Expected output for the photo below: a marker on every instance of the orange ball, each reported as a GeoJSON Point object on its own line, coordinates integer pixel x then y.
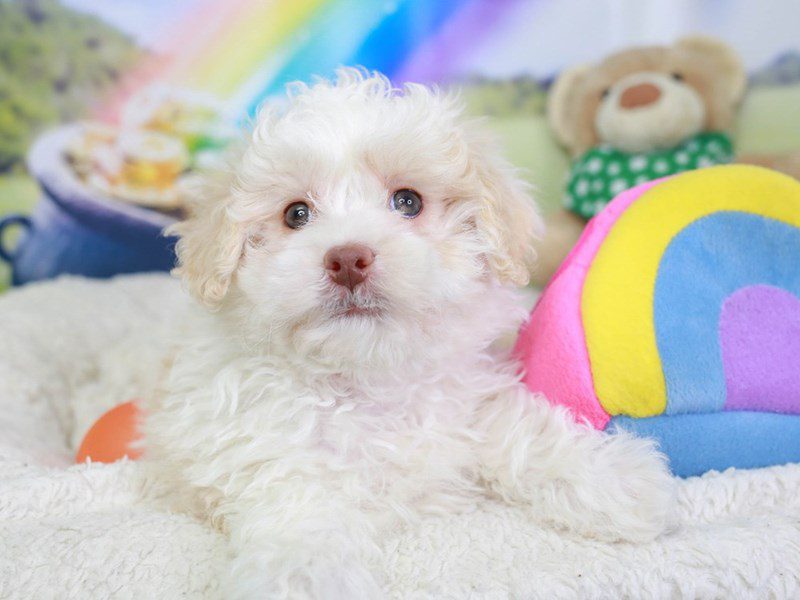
{"type": "Point", "coordinates": [111, 436]}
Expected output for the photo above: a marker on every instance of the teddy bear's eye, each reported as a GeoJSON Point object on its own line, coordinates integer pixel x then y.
{"type": "Point", "coordinates": [604, 94]}
{"type": "Point", "coordinates": [677, 76]}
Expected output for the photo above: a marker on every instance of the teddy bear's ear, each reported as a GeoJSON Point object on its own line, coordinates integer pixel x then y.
{"type": "Point", "coordinates": [563, 102]}
{"type": "Point", "coordinates": [729, 74]}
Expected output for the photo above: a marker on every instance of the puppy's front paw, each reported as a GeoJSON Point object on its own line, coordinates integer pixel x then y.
{"type": "Point", "coordinates": [634, 495]}
{"type": "Point", "coordinates": [622, 492]}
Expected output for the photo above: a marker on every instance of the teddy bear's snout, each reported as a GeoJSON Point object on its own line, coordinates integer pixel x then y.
{"type": "Point", "coordinates": [639, 95]}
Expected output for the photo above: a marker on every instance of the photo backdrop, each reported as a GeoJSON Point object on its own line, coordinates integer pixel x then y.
{"type": "Point", "coordinates": [196, 70]}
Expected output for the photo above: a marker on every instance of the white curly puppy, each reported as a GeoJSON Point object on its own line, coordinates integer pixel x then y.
{"type": "Point", "coordinates": [359, 266]}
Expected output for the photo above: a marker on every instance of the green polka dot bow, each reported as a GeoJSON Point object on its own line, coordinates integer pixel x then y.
{"type": "Point", "coordinates": [603, 172]}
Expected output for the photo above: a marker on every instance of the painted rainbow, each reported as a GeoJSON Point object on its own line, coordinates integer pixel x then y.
{"type": "Point", "coordinates": [243, 51]}
{"type": "Point", "coordinates": [677, 316]}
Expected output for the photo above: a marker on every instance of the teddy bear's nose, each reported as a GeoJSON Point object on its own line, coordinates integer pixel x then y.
{"type": "Point", "coordinates": [639, 95]}
{"type": "Point", "coordinates": [349, 265]}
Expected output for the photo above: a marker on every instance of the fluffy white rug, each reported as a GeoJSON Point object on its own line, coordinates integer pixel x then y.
{"type": "Point", "coordinates": [70, 349]}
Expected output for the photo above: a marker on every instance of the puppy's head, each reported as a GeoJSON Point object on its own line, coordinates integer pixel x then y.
{"type": "Point", "coordinates": [357, 221]}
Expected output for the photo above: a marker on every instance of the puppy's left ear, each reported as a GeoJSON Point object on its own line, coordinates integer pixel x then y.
{"type": "Point", "coordinates": [508, 219]}
{"type": "Point", "coordinates": [211, 243]}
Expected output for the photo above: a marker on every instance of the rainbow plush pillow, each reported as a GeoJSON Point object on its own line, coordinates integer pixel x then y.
{"type": "Point", "coordinates": [677, 316]}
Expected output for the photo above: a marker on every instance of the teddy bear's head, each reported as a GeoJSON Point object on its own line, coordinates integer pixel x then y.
{"type": "Point", "coordinates": [648, 98]}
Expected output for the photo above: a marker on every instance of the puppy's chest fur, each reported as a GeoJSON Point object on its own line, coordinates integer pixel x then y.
{"type": "Point", "coordinates": [257, 424]}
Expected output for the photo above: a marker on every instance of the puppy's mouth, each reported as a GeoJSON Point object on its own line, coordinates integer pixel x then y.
{"type": "Point", "coordinates": [360, 311]}
{"type": "Point", "coordinates": [357, 305]}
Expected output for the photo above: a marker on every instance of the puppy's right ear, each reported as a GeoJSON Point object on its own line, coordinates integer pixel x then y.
{"type": "Point", "coordinates": [210, 245]}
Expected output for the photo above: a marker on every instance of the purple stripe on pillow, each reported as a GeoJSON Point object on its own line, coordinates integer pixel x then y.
{"type": "Point", "coordinates": [760, 339]}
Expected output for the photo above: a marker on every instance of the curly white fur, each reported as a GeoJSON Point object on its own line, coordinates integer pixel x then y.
{"type": "Point", "coordinates": [305, 433]}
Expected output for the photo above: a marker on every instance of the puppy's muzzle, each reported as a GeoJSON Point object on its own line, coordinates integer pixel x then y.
{"type": "Point", "coordinates": [349, 265]}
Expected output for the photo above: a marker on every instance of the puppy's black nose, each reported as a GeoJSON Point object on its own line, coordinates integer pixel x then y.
{"type": "Point", "coordinates": [349, 265]}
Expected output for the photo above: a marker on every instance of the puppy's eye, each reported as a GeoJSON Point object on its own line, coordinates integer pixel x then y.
{"type": "Point", "coordinates": [407, 202]}
{"type": "Point", "coordinates": [296, 215]}
{"type": "Point", "coordinates": [677, 76]}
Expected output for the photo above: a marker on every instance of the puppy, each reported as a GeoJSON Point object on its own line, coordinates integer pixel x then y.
{"type": "Point", "coordinates": [357, 268]}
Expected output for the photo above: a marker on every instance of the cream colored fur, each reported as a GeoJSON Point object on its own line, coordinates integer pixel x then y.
{"type": "Point", "coordinates": [306, 434]}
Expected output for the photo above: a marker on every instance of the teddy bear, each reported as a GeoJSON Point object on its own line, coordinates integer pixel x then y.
{"type": "Point", "coordinates": [638, 115]}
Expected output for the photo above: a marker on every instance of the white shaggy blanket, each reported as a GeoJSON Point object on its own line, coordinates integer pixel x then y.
{"type": "Point", "coordinates": [73, 348]}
